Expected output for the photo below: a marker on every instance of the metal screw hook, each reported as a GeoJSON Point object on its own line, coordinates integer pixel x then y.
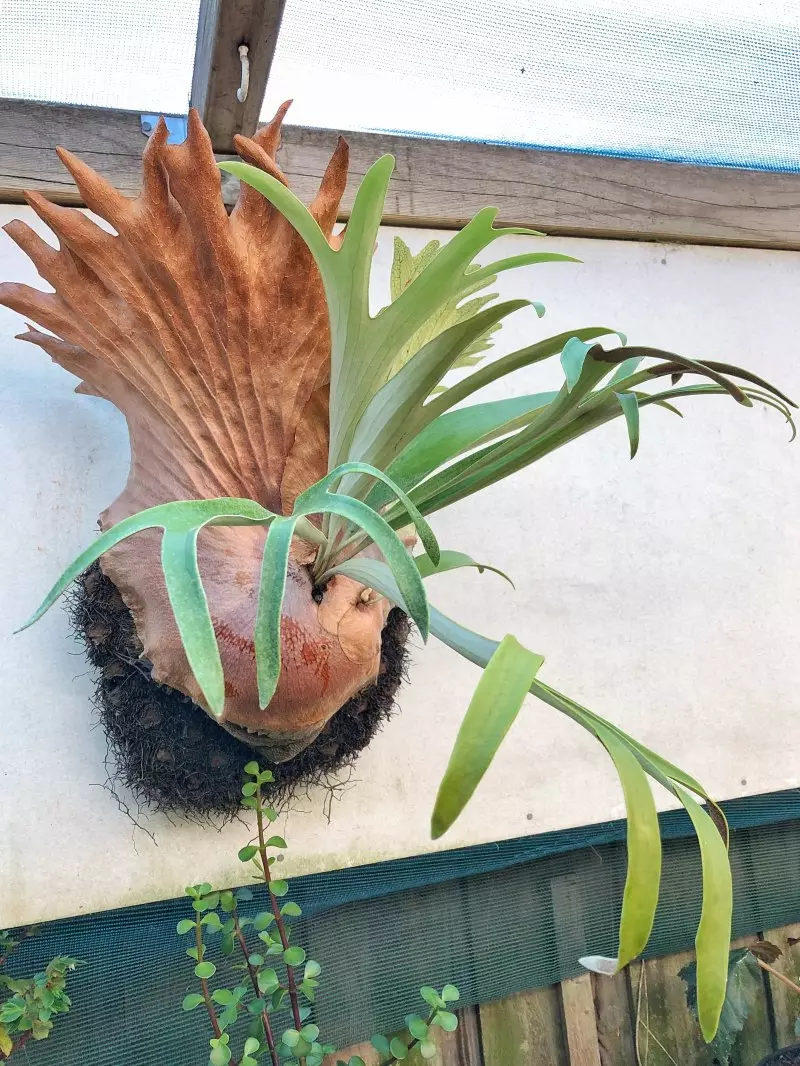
{"type": "Point", "coordinates": [244, 88]}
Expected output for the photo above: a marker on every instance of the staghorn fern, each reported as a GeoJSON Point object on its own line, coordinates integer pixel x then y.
{"type": "Point", "coordinates": [397, 455]}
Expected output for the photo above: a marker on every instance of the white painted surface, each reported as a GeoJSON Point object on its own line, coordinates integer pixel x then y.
{"type": "Point", "coordinates": [664, 593]}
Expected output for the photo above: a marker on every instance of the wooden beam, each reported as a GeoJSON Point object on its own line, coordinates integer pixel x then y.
{"type": "Point", "coordinates": [223, 26]}
{"type": "Point", "coordinates": [443, 183]}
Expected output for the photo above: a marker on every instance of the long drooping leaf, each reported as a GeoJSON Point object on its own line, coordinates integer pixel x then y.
{"type": "Point", "coordinates": [743, 990]}
{"type": "Point", "coordinates": [714, 931]}
{"type": "Point", "coordinates": [267, 634]}
{"type": "Point", "coordinates": [187, 598]}
{"type": "Point", "coordinates": [504, 684]}
{"type": "Point", "coordinates": [643, 878]}
{"type": "Point", "coordinates": [632, 761]}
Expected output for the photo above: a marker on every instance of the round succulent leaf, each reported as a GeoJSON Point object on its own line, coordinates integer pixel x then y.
{"type": "Point", "coordinates": [204, 970]}
{"type": "Point", "coordinates": [291, 909]}
{"type": "Point", "coordinates": [192, 1001]}
{"type": "Point", "coordinates": [312, 970]}
{"type": "Point", "coordinates": [310, 1032]}
{"type": "Point", "coordinates": [185, 925]}
{"type": "Point", "coordinates": [294, 956]}
{"type": "Point", "coordinates": [291, 1038]}
{"type": "Point", "coordinates": [252, 767]}
{"type": "Point", "coordinates": [276, 842]}
{"type": "Point", "coordinates": [427, 1049]}
{"type": "Point", "coordinates": [446, 1020]}
{"type": "Point", "coordinates": [381, 1044]}
{"type": "Point", "coordinates": [398, 1048]}
{"type": "Point", "coordinates": [251, 1046]}
{"type": "Point", "coordinates": [247, 853]}
{"type": "Point", "coordinates": [417, 1026]}
{"type": "Point", "coordinates": [450, 994]}
{"type": "Point", "coordinates": [431, 996]}
{"type": "Point", "coordinates": [279, 888]}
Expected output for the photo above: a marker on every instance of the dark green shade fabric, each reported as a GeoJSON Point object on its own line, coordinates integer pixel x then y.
{"type": "Point", "coordinates": [494, 919]}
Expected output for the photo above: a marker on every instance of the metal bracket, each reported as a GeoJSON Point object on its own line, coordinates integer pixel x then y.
{"type": "Point", "coordinates": [176, 125]}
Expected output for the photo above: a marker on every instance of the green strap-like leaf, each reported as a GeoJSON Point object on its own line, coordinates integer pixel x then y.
{"type": "Point", "coordinates": [267, 637]}
{"type": "Point", "coordinates": [456, 432]}
{"type": "Point", "coordinates": [714, 931]}
{"type": "Point", "coordinates": [643, 878]}
{"type": "Point", "coordinates": [178, 516]}
{"type": "Point", "coordinates": [500, 693]}
{"type": "Point", "coordinates": [450, 560]}
{"type": "Point", "coordinates": [573, 359]}
{"type": "Point", "coordinates": [629, 403]}
{"type": "Point", "coordinates": [187, 598]}
{"type": "Point", "coordinates": [397, 412]}
{"type": "Point", "coordinates": [513, 262]}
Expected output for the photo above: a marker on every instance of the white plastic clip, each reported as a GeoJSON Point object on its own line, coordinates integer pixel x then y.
{"type": "Point", "coordinates": [244, 88]}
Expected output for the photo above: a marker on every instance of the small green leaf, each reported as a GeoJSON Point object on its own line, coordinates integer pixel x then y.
{"type": "Point", "coordinates": [247, 853]}
{"type": "Point", "coordinates": [204, 970]}
{"type": "Point", "coordinates": [267, 982]}
{"type": "Point", "coordinates": [417, 1026]}
{"type": "Point", "coordinates": [427, 1049]}
{"type": "Point", "coordinates": [450, 994]}
{"type": "Point", "coordinates": [250, 788]}
{"type": "Point", "coordinates": [431, 997]}
{"type": "Point", "coordinates": [310, 1032]}
{"type": "Point", "coordinates": [278, 888]}
{"type": "Point", "coordinates": [220, 1056]}
{"type": "Point", "coordinates": [251, 1046]}
{"type": "Point", "coordinates": [446, 1020]}
{"type": "Point", "coordinates": [252, 767]}
{"type": "Point", "coordinates": [381, 1044]}
{"type": "Point", "coordinates": [256, 960]}
{"type": "Point", "coordinates": [192, 1001]}
{"type": "Point", "coordinates": [276, 842]}
{"type": "Point", "coordinates": [398, 1048]}
{"type": "Point", "coordinates": [291, 1038]}
{"type": "Point", "coordinates": [294, 956]}
{"type": "Point", "coordinates": [263, 920]}
{"type": "Point", "coordinates": [223, 996]}
{"type": "Point", "coordinates": [312, 970]}
{"type": "Point", "coordinates": [291, 910]}
{"type": "Point", "coordinates": [185, 925]}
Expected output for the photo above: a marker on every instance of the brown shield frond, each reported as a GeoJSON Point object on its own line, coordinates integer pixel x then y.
{"type": "Point", "coordinates": [210, 334]}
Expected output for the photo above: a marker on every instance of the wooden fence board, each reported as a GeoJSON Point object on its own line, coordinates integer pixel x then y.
{"type": "Point", "coordinates": [524, 1029]}
{"type": "Point", "coordinates": [614, 1020]}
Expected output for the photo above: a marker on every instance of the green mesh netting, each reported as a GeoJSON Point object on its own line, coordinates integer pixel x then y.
{"type": "Point", "coordinates": [494, 919]}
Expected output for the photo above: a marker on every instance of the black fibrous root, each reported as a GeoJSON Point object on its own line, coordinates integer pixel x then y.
{"type": "Point", "coordinates": [171, 755]}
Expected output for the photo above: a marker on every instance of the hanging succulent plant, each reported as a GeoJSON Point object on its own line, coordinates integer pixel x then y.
{"type": "Point", "coordinates": [288, 446]}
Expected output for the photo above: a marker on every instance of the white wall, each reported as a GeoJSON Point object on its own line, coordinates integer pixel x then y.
{"type": "Point", "coordinates": [663, 593]}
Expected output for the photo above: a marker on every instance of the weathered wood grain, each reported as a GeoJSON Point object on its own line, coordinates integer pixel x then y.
{"type": "Point", "coordinates": [614, 1020]}
{"type": "Point", "coordinates": [223, 26]}
{"type": "Point", "coordinates": [443, 183]}
{"type": "Point", "coordinates": [524, 1029]}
